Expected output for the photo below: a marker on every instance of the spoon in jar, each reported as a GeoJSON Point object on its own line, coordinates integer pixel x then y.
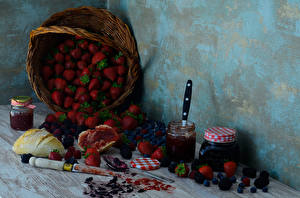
{"type": "Point", "coordinates": [186, 102]}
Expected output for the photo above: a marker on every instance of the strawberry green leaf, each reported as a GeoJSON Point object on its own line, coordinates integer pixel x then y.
{"type": "Point", "coordinates": [55, 150]}
{"type": "Point", "coordinates": [49, 57]}
{"type": "Point", "coordinates": [98, 44]}
{"type": "Point", "coordinates": [62, 117]}
{"type": "Point", "coordinates": [105, 115]}
{"type": "Point", "coordinates": [85, 116]}
{"type": "Point", "coordinates": [102, 64]}
{"type": "Point", "coordinates": [85, 105]}
{"type": "Point", "coordinates": [85, 79]}
{"type": "Point", "coordinates": [73, 88]}
{"type": "Point", "coordinates": [118, 55]}
{"type": "Point", "coordinates": [116, 85]}
{"type": "Point", "coordinates": [124, 139]}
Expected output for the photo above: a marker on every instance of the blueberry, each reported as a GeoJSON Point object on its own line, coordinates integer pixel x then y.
{"type": "Point", "coordinates": [206, 183]}
{"type": "Point", "coordinates": [215, 181]}
{"type": "Point", "coordinates": [220, 175]}
{"type": "Point", "coordinates": [241, 185]}
{"type": "Point", "coordinates": [253, 189]}
{"type": "Point", "coordinates": [265, 189]}
{"type": "Point", "coordinates": [146, 155]}
{"type": "Point", "coordinates": [232, 179]}
{"type": "Point", "coordinates": [240, 190]}
{"type": "Point", "coordinates": [199, 178]}
{"type": "Point", "coordinates": [126, 152]}
{"type": "Point", "coordinates": [72, 160]}
{"type": "Point", "coordinates": [25, 158]}
{"type": "Point", "coordinates": [172, 167]}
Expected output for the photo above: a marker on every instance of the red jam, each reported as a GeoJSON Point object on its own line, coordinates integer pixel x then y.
{"type": "Point", "coordinates": [181, 141]}
{"type": "Point", "coordinates": [21, 113]}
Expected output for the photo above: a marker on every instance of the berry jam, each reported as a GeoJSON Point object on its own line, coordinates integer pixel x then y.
{"type": "Point", "coordinates": [21, 121]}
{"type": "Point", "coordinates": [181, 141]}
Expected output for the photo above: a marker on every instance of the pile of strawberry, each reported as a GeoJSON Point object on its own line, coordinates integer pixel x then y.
{"type": "Point", "coordinates": [84, 75]}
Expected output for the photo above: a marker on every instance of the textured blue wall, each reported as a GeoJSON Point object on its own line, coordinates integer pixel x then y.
{"type": "Point", "coordinates": [244, 59]}
{"type": "Point", "coordinates": [17, 19]}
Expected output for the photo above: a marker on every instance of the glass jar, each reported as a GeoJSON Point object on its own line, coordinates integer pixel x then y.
{"type": "Point", "coordinates": [21, 113]}
{"type": "Point", "coordinates": [181, 141]}
{"type": "Point", "coordinates": [220, 145]}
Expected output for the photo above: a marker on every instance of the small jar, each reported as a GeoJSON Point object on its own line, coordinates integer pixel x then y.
{"type": "Point", "coordinates": [220, 145]}
{"type": "Point", "coordinates": [21, 113]}
{"type": "Point", "coordinates": [181, 141]}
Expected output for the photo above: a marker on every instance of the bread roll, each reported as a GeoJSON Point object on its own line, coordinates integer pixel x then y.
{"type": "Point", "coordinates": [38, 142]}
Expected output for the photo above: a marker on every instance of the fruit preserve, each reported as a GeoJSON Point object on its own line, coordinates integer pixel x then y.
{"type": "Point", "coordinates": [219, 146]}
{"type": "Point", "coordinates": [21, 113]}
{"type": "Point", "coordinates": [181, 141]}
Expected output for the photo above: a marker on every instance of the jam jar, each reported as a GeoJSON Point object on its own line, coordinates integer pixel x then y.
{"type": "Point", "coordinates": [181, 141]}
{"type": "Point", "coordinates": [220, 145]}
{"type": "Point", "coordinates": [21, 113]}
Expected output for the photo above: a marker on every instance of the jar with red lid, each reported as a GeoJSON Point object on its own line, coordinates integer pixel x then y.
{"type": "Point", "coordinates": [21, 113]}
{"type": "Point", "coordinates": [220, 145]}
{"type": "Point", "coordinates": [181, 141]}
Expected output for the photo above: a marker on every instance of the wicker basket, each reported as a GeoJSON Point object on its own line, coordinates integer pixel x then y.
{"type": "Point", "coordinates": [89, 23]}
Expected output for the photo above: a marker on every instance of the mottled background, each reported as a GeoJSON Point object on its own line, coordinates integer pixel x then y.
{"type": "Point", "coordinates": [242, 55]}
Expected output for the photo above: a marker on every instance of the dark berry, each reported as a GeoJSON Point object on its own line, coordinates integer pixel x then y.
{"type": "Point", "coordinates": [243, 178]}
{"type": "Point", "coordinates": [215, 181]}
{"type": "Point", "coordinates": [172, 167]}
{"type": "Point", "coordinates": [240, 190]}
{"type": "Point", "coordinates": [126, 152]}
{"type": "Point", "coordinates": [67, 141]}
{"type": "Point", "coordinates": [242, 185]}
{"type": "Point", "coordinates": [206, 183]}
{"type": "Point", "coordinates": [233, 179]}
{"type": "Point", "coordinates": [249, 172]}
{"type": "Point", "coordinates": [261, 182]}
{"type": "Point", "coordinates": [88, 180]}
{"type": "Point", "coordinates": [253, 189]}
{"type": "Point", "coordinates": [195, 164]}
{"type": "Point", "coordinates": [57, 133]}
{"type": "Point", "coordinates": [199, 178]}
{"type": "Point", "coordinates": [192, 174]}
{"type": "Point", "coordinates": [265, 189]}
{"type": "Point", "coordinates": [25, 158]}
{"type": "Point", "coordinates": [72, 160]}
{"type": "Point", "coordinates": [165, 162]}
{"type": "Point", "coordinates": [220, 175]}
{"type": "Point", "coordinates": [264, 174]}
{"type": "Point", "coordinates": [225, 184]}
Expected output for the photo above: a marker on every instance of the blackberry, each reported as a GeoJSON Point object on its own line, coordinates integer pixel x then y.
{"type": "Point", "coordinates": [225, 184]}
{"type": "Point", "coordinates": [67, 141]}
{"type": "Point", "coordinates": [172, 167]}
{"type": "Point", "coordinates": [25, 158]}
{"type": "Point", "coordinates": [165, 162]}
{"type": "Point", "coordinates": [253, 189]}
{"type": "Point", "coordinates": [199, 178]}
{"type": "Point", "coordinates": [126, 152]}
{"type": "Point", "coordinates": [240, 190]}
{"type": "Point", "coordinates": [265, 189]}
{"type": "Point", "coordinates": [232, 179]}
{"type": "Point", "coordinates": [249, 172]}
{"type": "Point", "coordinates": [206, 183]}
{"type": "Point", "coordinates": [264, 174]}
{"type": "Point", "coordinates": [88, 180]}
{"type": "Point", "coordinates": [215, 181]}
{"type": "Point", "coordinates": [261, 182]}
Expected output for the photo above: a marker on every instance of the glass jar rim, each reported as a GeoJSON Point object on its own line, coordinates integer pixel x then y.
{"type": "Point", "coordinates": [176, 126]}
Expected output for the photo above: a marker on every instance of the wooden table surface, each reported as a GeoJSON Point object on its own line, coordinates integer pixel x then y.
{"type": "Point", "coordinates": [22, 180]}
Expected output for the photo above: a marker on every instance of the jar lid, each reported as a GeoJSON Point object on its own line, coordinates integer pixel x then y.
{"type": "Point", "coordinates": [220, 134]}
{"type": "Point", "coordinates": [22, 101]}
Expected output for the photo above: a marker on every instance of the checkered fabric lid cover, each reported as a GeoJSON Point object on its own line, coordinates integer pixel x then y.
{"type": "Point", "coordinates": [145, 163]}
{"type": "Point", "coordinates": [220, 134]}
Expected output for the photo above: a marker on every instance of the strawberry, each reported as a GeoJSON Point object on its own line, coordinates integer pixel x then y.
{"type": "Point", "coordinates": [78, 73]}
{"type": "Point", "coordinates": [63, 48]}
{"type": "Point", "coordinates": [59, 57]}
{"type": "Point", "coordinates": [50, 84]}
{"type": "Point", "coordinates": [58, 69]}
{"type": "Point", "coordinates": [50, 61]}
{"type": "Point", "coordinates": [110, 123]}
{"type": "Point", "coordinates": [106, 102]}
{"type": "Point", "coordinates": [75, 106]}
{"type": "Point", "coordinates": [94, 94]}
{"type": "Point", "coordinates": [94, 84]}
{"type": "Point", "coordinates": [121, 70]}
{"type": "Point", "coordinates": [206, 171]}
{"type": "Point", "coordinates": [77, 154]}
{"type": "Point", "coordinates": [145, 148]}
{"type": "Point", "coordinates": [93, 48]}
{"type": "Point", "coordinates": [115, 91]}
{"type": "Point", "coordinates": [99, 56]}
{"type": "Point", "coordinates": [136, 110]}
{"type": "Point", "coordinates": [76, 53]}
{"type": "Point", "coordinates": [182, 170]}
{"type": "Point", "coordinates": [69, 154]}
{"type": "Point", "coordinates": [60, 116]}
{"type": "Point", "coordinates": [92, 68]}
{"type": "Point", "coordinates": [92, 159]}
{"type": "Point", "coordinates": [72, 116]}
{"type": "Point", "coordinates": [91, 122]}
{"type": "Point", "coordinates": [91, 150]}
{"type": "Point", "coordinates": [86, 57]}
{"type": "Point", "coordinates": [60, 84]}
{"type": "Point", "coordinates": [68, 58]}
{"type": "Point", "coordinates": [120, 81]}
{"type": "Point", "coordinates": [54, 155]}
{"type": "Point", "coordinates": [106, 49]}
{"type": "Point", "coordinates": [80, 91]}
{"type": "Point", "coordinates": [69, 43]}
{"type": "Point", "coordinates": [105, 85]}
{"type": "Point", "coordinates": [83, 44]}
{"type": "Point", "coordinates": [96, 74]}
{"type": "Point", "coordinates": [157, 154]}
{"type": "Point", "coordinates": [70, 90]}
{"type": "Point", "coordinates": [51, 118]}
{"type": "Point", "coordinates": [84, 98]}
{"type": "Point", "coordinates": [78, 37]}
{"type": "Point", "coordinates": [69, 65]}
{"type": "Point", "coordinates": [81, 65]}
{"type": "Point", "coordinates": [47, 72]}
{"type": "Point", "coordinates": [68, 102]}
{"type": "Point", "coordinates": [57, 98]}
{"type": "Point", "coordinates": [110, 73]}
{"type": "Point", "coordinates": [76, 82]}
{"type": "Point", "coordinates": [230, 168]}
{"type": "Point", "coordinates": [129, 123]}
{"type": "Point", "coordinates": [80, 118]}
{"type": "Point", "coordinates": [119, 59]}
{"type": "Point", "coordinates": [69, 74]}
{"type": "Point", "coordinates": [71, 149]}
{"type": "Point", "coordinates": [246, 181]}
